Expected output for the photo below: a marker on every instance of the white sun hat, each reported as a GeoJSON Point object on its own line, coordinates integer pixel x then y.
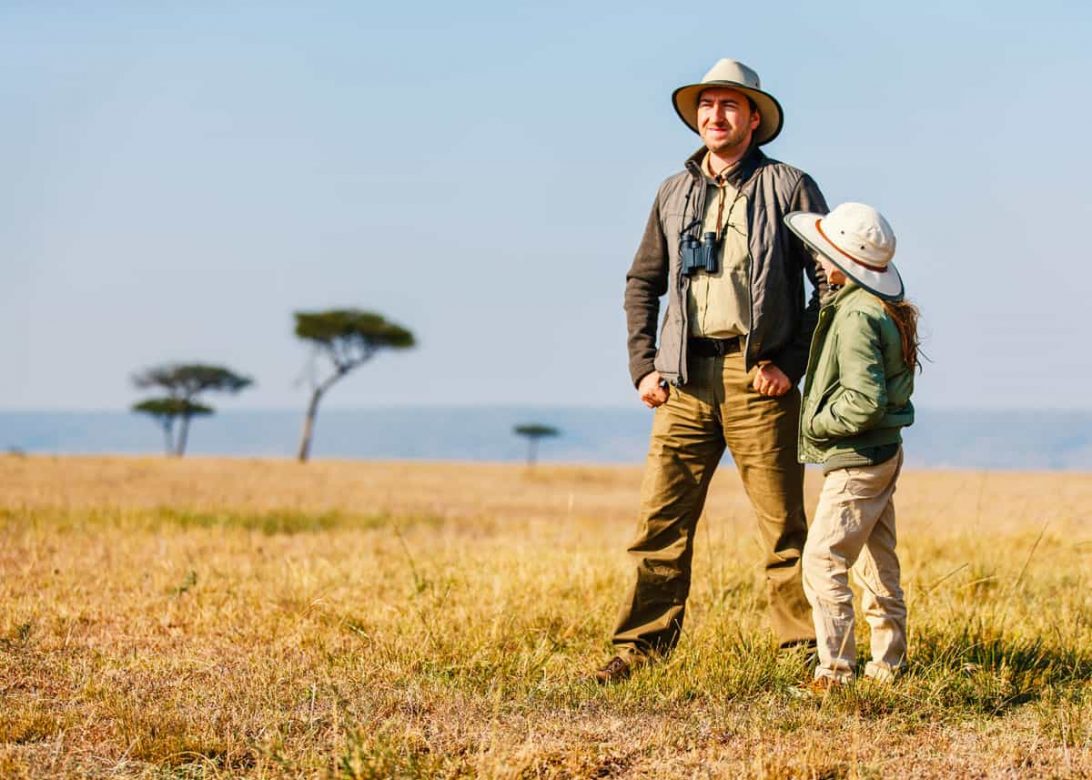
{"type": "Point", "coordinates": [858, 240]}
{"type": "Point", "coordinates": [734, 75]}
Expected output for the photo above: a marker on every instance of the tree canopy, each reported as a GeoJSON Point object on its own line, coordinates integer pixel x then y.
{"type": "Point", "coordinates": [187, 380]}
{"type": "Point", "coordinates": [350, 336]}
{"type": "Point", "coordinates": [171, 407]}
{"type": "Point", "coordinates": [536, 430]}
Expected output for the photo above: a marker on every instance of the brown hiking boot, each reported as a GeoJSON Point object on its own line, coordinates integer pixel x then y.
{"type": "Point", "coordinates": [617, 670]}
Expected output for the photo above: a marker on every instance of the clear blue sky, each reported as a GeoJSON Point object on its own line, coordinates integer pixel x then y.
{"type": "Point", "coordinates": [178, 178]}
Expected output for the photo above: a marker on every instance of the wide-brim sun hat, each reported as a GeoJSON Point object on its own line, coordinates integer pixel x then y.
{"type": "Point", "coordinates": [733, 75]}
{"type": "Point", "coordinates": [858, 240]}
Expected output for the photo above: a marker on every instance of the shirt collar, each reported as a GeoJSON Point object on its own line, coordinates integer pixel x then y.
{"type": "Point", "coordinates": [722, 178]}
{"type": "Point", "coordinates": [737, 173]}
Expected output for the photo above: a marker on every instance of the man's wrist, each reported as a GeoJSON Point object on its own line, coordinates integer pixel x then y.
{"type": "Point", "coordinates": [641, 374]}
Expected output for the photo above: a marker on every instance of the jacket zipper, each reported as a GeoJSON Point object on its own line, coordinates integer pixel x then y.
{"type": "Point", "coordinates": [750, 306]}
{"type": "Point", "coordinates": [750, 283]}
{"type": "Point", "coordinates": [684, 288]}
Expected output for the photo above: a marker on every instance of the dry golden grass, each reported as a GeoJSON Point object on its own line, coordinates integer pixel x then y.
{"type": "Point", "coordinates": [221, 618]}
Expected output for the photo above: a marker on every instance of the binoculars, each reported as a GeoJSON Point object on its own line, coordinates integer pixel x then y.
{"type": "Point", "coordinates": [695, 255]}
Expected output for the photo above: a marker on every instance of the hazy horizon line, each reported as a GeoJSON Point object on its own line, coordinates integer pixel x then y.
{"type": "Point", "coordinates": [506, 405]}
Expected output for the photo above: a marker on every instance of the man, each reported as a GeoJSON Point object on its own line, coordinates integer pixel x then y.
{"type": "Point", "coordinates": [732, 347]}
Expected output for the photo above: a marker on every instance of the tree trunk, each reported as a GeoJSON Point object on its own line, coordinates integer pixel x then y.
{"type": "Point", "coordinates": [183, 434]}
{"type": "Point", "coordinates": [309, 425]}
{"type": "Point", "coordinates": [532, 450]}
{"type": "Point", "coordinates": [168, 429]}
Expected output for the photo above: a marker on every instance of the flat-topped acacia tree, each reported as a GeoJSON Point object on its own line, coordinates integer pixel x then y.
{"type": "Point", "coordinates": [183, 382]}
{"type": "Point", "coordinates": [348, 338]}
{"type": "Point", "coordinates": [534, 432]}
{"type": "Point", "coordinates": [164, 411]}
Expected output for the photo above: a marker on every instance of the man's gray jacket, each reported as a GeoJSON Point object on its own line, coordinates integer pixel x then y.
{"type": "Point", "coordinates": [781, 321]}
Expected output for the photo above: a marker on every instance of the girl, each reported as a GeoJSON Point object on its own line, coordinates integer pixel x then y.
{"type": "Point", "coordinates": [856, 400]}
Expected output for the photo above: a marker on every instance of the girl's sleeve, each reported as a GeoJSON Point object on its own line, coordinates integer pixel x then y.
{"type": "Point", "coordinates": [861, 401]}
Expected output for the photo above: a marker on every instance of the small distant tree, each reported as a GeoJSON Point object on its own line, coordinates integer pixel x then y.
{"type": "Point", "coordinates": [348, 338]}
{"type": "Point", "coordinates": [166, 410]}
{"type": "Point", "coordinates": [183, 383]}
{"type": "Point", "coordinates": [534, 432]}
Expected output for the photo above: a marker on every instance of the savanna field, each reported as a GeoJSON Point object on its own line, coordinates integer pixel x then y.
{"type": "Point", "coordinates": [209, 618]}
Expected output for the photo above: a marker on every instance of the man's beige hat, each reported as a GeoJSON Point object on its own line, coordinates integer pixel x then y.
{"type": "Point", "coordinates": [858, 240]}
{"type": "Point", "coordinates": [735, 75]}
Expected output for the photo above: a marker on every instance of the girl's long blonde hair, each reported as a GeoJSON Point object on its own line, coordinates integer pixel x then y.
{"type": "Point", "coordinates": [905, 316]}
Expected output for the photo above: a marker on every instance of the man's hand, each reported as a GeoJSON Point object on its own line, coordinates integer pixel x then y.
{"type": "Point", "coordinates": [771, 380]}
{"type": "Point", "coordinates": [651, 391]}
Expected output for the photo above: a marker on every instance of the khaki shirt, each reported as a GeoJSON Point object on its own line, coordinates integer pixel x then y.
{"type": "Point", "coordinates": [719, 305]}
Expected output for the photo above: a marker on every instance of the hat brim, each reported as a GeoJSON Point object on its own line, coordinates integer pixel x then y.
{"type": "Point", "coordinates": [886, 283]}
{"type": "Point", "coordinates": [685, 100]}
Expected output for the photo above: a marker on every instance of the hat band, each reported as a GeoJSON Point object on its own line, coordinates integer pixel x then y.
{"type": "Point", "coordinates": [880, 269]}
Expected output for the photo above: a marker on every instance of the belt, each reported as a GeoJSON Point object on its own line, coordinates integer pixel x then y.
{"type": "Point", "coordinates": [702, 347]}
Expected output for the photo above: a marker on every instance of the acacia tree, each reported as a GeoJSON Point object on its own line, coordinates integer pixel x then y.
{"type": "Point", "coordinates": [166, 410]}
{"type": "Point", "coordinates": [183, 383]}
{"type": "Point", "coordinates": [348, 338]}
{"type": "Point", "coordinates": [534, 432]}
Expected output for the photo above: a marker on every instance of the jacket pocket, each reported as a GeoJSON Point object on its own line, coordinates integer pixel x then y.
{"type": "Point", "coordinates": [809, 418]}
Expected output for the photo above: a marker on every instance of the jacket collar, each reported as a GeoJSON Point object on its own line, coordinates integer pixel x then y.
{"type": "Point", "coordinates": [849, 290]}
{"type": "Point", "coordinates": [741, 172]}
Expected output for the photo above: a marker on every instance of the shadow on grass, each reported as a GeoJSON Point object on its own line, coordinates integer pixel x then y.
{"type": "Point", "coordinates": [981, 667]}
{"type": "Point", "coordinates": [973, 670]}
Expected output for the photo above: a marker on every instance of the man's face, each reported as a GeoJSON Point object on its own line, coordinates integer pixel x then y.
{"type": "Point", "coordinates": [725, 120]}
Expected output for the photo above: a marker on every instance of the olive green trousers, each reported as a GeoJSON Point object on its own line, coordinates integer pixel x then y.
{"type": "Point", "coordinates": [717, 408]}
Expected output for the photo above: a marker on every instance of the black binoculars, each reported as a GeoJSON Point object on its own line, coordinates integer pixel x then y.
{"type": "Point", "coordinates": [695, 255]}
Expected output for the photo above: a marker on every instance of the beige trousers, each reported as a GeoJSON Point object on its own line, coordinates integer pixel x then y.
{"type": "Point", "coordinates": [854, 529]}
{"type": "Point", "coordinates": [718, 408]}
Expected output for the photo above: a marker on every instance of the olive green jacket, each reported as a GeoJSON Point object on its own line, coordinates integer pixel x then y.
{"type": "Point", "coordinates": [857, 387]}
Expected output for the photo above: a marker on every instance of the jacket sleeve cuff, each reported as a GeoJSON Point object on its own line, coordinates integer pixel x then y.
{"type": "Point", "coordinates": [640, 370]}
{"type": "Point", "coordinates": [792, 365]}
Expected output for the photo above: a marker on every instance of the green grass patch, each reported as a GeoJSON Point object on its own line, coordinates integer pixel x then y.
{"type": "Point", "coordinates": [270, 522]}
